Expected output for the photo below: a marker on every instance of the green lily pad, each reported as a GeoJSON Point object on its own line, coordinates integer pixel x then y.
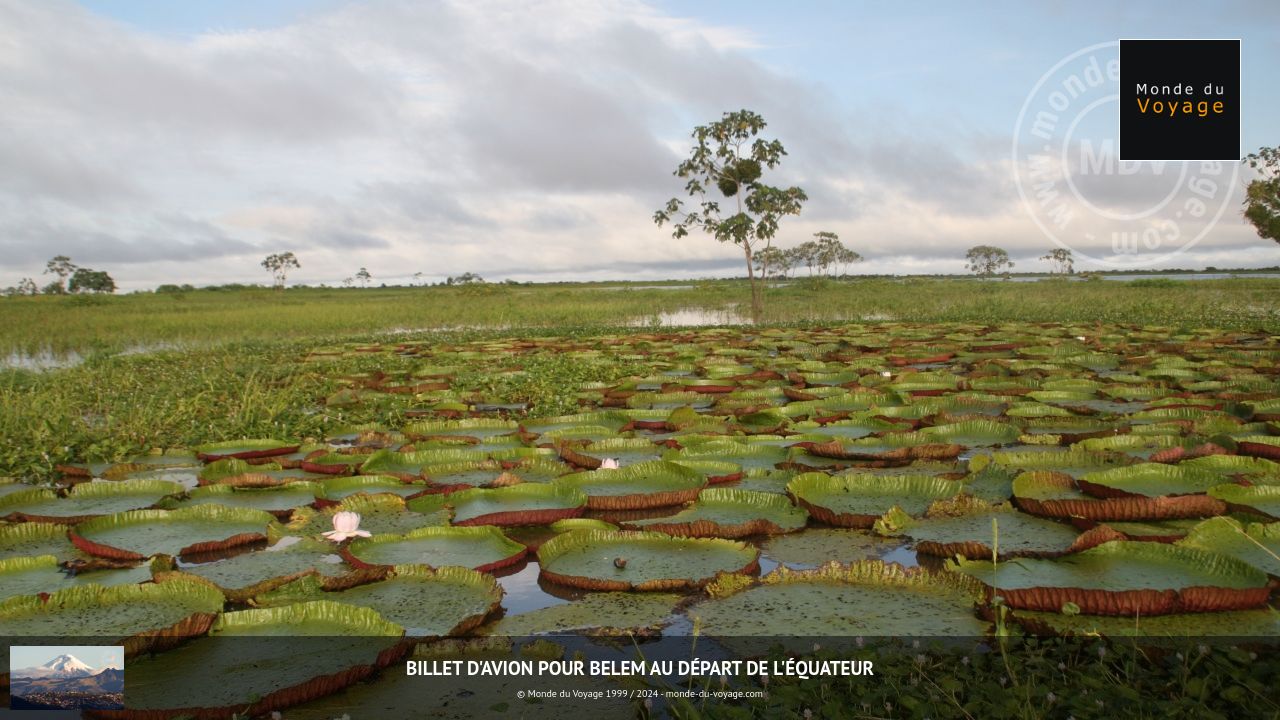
{"type": "Point", "coordinates": [338, 488]}
{"type": "Point", "coordinates": [138, 534]}
{"type": "Point", "coordinates": [857, 500]}
{"type": "Point", "coordinates": [605, 613]}
{"type": "Point", "coordinates": [1149, 480]}
{"type": "Point", "coordinates": [244, 449]}
{"type": "Point", "coordinates": [974, 433]}
{"type": "Point", "coordinates": [88, 499]}
{"type": "Point", "coordinates": [1264, 499]}
{"type": "Point", "coordinates": [889, 601]}
{"type": "Point", "coordinates": [603, 560]}
{"type": "Point", "coordinates": [1253, 624]}
{"type": "Point", "coordinates": [31, 575]}
{"type": "Point", "coordinates": [222, 673]}
{"type": "Point", "coordinates": [380, 514]}
{"type": "Point", "coordinates": [273, 499]}
{"type": "Point", "coordinates": [636, 487]}
{"type": "Point", "coordinates": [523, 504]}
{"type": "Point", "coordinates": [31, 538]}
{"type": "Point", "coordinates": [729, 513]}
{"type": "Point", "coordinates": [425, 601]}
{"type": "Point", "coordinates": [244, 575]}
{"type": "Point", "coordinates": [972, 531]}
{"type": "Point", "coordinates": [819, 546]}
{"type": "Point", "coordinates": [112, 612]}
{"type": "Point", "coordinates": [1255, 543]}
{"type": "Point", "coordinates": [482, 548]}
{"type": "Point", "coordinates": [1125, 578]}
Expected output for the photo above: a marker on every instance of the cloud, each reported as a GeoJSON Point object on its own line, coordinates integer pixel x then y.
{"type": "Point", "coordinates": [509, 139]}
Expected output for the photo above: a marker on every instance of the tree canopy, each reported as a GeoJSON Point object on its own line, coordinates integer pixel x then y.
{"type": "Point", "coordinates": [1262, 196]}
{"type": "Point", "coordinates": [987, 260]}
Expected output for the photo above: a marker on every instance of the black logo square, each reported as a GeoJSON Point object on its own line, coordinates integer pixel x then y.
{"type": "Point", "coordinates": [1180, 100]}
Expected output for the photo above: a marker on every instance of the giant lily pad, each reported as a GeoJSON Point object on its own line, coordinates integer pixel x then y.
{"type": "Point", "coordinates": [618, 560]}
{"type": "Point", "coordinates": [857, 500]}
{"type": "Point", "coordinates": [972, 529]}
{"type": "Point", "coordinates": [1255, 543]}
{"type": "Point", "coordinates": [523, 504]}
{"type": "Point", "coordinates": [340, 487]}
{"type": "Point", "coordinates": [41, 574]}
{"type": "Point", "coordinates": [244, 449]}
{"type": "Point", "coordinates": [244, 575]}
{"type": "Point", "coordinates": [86, 500]}
{"type": "Point", "coordinates": [31, 538]}
{"type": "Point", "coordinates": [1148, 480]}
{"type": "Point", "coordinates": [1255, 625]}
{"type": "Point", "coordinates": [279, 500]}
{"type": "Point", "coordinates": [425, 601]}
{"type": "Point", "coordinates": [729, 513]}
{"type": "Point", "coordinates": [1125, 578]}
{"type": "Point", "coordinates": [1056, 495]}
{"type": "Point", "coordinates": [482, 548]}
{"type": "Point", "coordinates": [141, 615]}
{"type": "Point", "coordinates": [819, 546]}
{"type": "Point", "coordinates": [1263, 499]}
{"type": "Point", "coordinates": [138, 534]}
{"type": "Point", "coordinates": [379, 514]}
{"type": "Point", "coordinates": [869, 598]}
{"type": "Point", "coordinates": [974, 433]}
{"type": "Point", "coordinates": [332, 645]}
{"type": "Point", "coordinates": [636, 487]}
{"type": "Point", "coordinates": [605, 614]}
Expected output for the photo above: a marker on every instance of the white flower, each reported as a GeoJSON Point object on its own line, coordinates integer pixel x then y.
{"type": "Point", "coordinates": [609, 464]}
{"type": "Point", "coordinates": [275, 715]}
{"type": "Point", "coordinates": [1081, 338]}
{"type": "Point", "coordinates": [885, 373]}
{"type": "Point", "coordinates": [346, 525]}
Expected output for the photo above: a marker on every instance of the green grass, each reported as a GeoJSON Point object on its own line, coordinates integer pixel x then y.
{"type": "Point", "coordinates": [85, 325]}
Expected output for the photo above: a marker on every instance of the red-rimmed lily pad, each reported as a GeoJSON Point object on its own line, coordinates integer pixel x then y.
{"type": "Point", "coordinates": [139, 534]}
{"type": "Point", "coordinates": [1056, 495]}
{"type": "Point", "coordinates": [332, 645]}
{"type": "Point", "coordinates": [858, 500]}
{"type": "Point", "coordinates": [868, 598]}
{"type": "Point", "coordinates": [522, 504]}
{"type": "Point", "coordinates": [30, 539]}
{"type": "Point", "coordinates": [142, 617]}
{"type": "Point", "coordinates": [1255, 543]}
{"type": "Point", "coordinates": [636, 487]}
{"type": "Point", "coordinates": [278, 500]}
{"type": "Point", "coordinates": [244, 449]}
{"type": "Point", "coordinates": [427, 602]}
{"type": "Point", "coordinates": [729, 513]}
{"type": "Point", "coordinates": [482, 548]}
{"type": "Point", "coordinates": [647, 561]}
{"type": "Point", "coordinates": [1261, 499]}
{"type": "Point", "coordinates": [86, 500]}
{"type": "Point", "coordinates": [972, 529]}
{"type": "Point", "coordinates": [1125, 578]}
{"type": "Point", "coordinates": [1148, 480]}
{"type": "Point", "coordinates": [247, 574]}
{"type": "Point", "coordinates": [340, 487]}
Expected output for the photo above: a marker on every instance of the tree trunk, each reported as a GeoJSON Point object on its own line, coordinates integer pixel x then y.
{"type": "Point", "coordinates": [757, 302]}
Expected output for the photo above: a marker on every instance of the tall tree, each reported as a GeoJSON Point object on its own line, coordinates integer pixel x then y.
{"type": "Point", "coordinates": [987, 260]}
{"type": "Point", "coordinates": [729, 156]}
{"type": "Point", "coordinates": [771, 258]}
{"type": "Point", "coordinates": [1262, 196]}
{"type": "Point", "coordinates": [279, 265]}
{"type": "Point", "coordinates": [1060, 260]}
{"type": "Point", "coordinates": [364, 277]}
{"type": "Point", "coordinates": [62, 267]}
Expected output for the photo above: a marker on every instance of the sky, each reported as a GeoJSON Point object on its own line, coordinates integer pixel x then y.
{"type": "Point", "coordinates": [95, 656]}
{"type": "Point", "coordinates": [182, 142]}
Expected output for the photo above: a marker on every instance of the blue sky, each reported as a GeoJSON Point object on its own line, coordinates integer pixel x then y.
{"type": "Point", "coordinates": [95, 656]}
{"type": "Point", "coordinates": [183, 141]}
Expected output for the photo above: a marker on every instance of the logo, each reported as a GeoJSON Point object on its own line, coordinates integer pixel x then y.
{"type": "Point", "coordinates": [1117, 213]}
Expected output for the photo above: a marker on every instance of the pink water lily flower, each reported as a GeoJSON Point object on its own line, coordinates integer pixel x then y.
{"type": "Point", "coordinates": [346, 525]}
{"type": "Point", "coordinates": [609, 464]}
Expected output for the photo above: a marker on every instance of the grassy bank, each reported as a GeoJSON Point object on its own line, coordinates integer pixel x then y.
{"type": "Point", "coordinates": [85, 324]}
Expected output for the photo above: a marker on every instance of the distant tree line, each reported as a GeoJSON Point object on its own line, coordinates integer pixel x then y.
{"type": "Point", "coordinates": [69, 278]}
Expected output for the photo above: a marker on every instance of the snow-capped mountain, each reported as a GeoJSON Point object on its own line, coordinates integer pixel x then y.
{"type": "Point", "coordinates": [63, 666]}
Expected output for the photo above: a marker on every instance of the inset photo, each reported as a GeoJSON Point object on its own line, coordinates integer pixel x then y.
{"type": "Point", "coordinates": [66, 677]}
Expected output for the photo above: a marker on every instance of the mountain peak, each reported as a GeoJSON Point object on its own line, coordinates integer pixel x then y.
{"type": "Point", "coordinates": [66, 663]}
